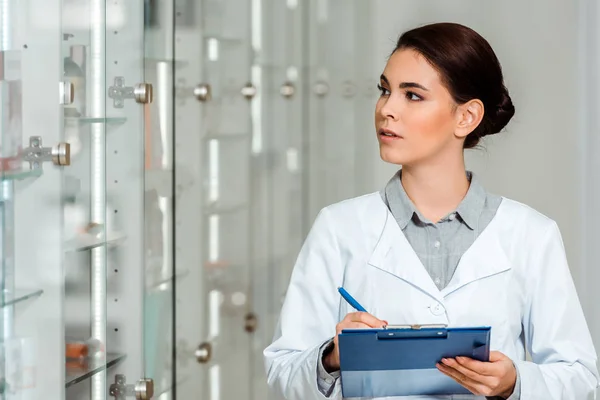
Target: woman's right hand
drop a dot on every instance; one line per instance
(354, 320)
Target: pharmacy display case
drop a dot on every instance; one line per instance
(160, 164)
(86, 201)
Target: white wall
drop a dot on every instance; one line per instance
(589, 78)
(540, 159)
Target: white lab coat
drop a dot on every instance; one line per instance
(514, 278)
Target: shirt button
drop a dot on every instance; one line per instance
(437, 244)
(437, 281)
(437, 309)
(329, 380)
(452, 216)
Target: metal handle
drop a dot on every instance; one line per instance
(203, 353)
(143, 93)
(36, 153)
(144, 389)
(61, 154)
(321, 88)
(251, 322)
(249, 91)
(287, 90)
(202, 92)
(67, 92)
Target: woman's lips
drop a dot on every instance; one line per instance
(388, 135)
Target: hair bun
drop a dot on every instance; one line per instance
(503, 113)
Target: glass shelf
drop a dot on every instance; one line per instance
(78, 371)
(220, 209)
(20, 174)
(227, 136)
(155, 60)
(224, 39)
(178, 275)
(88, 242)
(98, 120)
(18, 296)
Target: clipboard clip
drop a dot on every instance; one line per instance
(437, 331)
(416, 326)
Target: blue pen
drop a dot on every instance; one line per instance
(351, 300)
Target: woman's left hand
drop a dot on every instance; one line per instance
(494, 378)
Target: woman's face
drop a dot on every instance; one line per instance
(415, 115)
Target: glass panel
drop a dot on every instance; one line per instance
(280, 199)
(127, 132)
(158, 200)
(227, 150)
(11, 120)
(227, 159)
(31, 302)
(338, 43)
(88, 226)
(10, 165)
(191, 183)
(214, 153)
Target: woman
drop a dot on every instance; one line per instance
(433, 247)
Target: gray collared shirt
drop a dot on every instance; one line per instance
(439, 245)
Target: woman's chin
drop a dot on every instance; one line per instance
(393, 156)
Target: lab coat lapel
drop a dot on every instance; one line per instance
(485, 258)
(394, 254)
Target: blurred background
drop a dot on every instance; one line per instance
(163, 160)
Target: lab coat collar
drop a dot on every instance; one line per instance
(394, 254)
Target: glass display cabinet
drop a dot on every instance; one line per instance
(160, 164)
(87, 201)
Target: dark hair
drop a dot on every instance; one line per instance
(469, 69)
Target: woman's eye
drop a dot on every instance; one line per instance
(384, 91)
(413, 96)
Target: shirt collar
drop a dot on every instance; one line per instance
(403, 209)
(400, 205)
(471, 207)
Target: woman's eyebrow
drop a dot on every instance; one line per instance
(405, 85)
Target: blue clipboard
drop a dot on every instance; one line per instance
(400, 361)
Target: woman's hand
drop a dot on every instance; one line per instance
(494, 378)
(331, 361)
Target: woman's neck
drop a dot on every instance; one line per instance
(436, 189)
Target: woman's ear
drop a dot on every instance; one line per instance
(468, 117)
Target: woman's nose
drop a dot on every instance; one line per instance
(390, 109)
